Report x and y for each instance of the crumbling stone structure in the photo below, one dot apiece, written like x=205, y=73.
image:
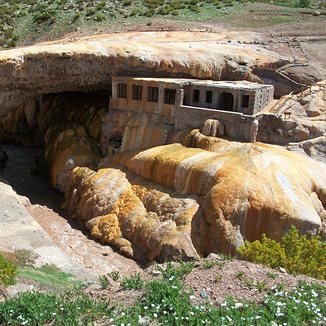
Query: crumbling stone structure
x=188, y=103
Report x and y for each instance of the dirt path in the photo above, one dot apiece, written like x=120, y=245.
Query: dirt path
x=46, y=209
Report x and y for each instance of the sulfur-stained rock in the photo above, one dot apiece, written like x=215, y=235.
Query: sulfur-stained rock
x=65, y=148
x=124, y=211
x=244, y=190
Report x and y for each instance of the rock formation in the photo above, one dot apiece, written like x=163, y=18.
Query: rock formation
x=295, y=118
x=209, y=194
x=132, y=215
x=89, y=63
x=197, y=193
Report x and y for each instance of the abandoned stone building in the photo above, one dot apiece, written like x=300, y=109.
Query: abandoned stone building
x=188, y=103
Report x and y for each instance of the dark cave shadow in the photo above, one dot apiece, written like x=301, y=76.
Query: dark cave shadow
x=19, y=173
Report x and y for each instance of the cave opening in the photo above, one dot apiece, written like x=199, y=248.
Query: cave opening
x=30, y=132
x=114, y=144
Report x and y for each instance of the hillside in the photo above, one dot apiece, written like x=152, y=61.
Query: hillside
x=30, y=21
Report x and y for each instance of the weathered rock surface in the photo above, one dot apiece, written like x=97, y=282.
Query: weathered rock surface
x=132, y=215
x=19, y=231
x=197, y=195
x=315, y=148
x=295, y=118
x=88, y=63
x=238, y=191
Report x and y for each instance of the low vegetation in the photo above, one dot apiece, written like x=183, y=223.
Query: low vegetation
x=8, y=271
x=38, y=308
x=168, y=301
x=48, y=275
x=28, y=21
x=298, y=254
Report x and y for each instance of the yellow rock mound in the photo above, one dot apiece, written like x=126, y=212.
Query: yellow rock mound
x=243, y=189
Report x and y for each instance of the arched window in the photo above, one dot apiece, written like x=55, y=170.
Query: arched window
x=226, y=101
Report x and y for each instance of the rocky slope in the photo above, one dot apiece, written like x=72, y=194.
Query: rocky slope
x=88, y=63
x=297, y=118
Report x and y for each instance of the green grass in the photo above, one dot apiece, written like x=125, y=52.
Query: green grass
x=167, y=301
x=133, y=282
x=32, y=20
x=115, y=275
x=104, y=282
x=35, y=308
x=48, y=275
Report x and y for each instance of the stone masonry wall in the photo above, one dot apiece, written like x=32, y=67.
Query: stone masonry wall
x=237, y=126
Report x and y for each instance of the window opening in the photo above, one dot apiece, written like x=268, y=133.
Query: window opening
x=196, y=95
x=209, y=97
x=169, y=95
x=245, y=101
x=226, y=101
x=122, y=90
x=152, y=94
x=137, y=91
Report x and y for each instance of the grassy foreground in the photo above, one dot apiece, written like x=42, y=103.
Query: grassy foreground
x=168, y=301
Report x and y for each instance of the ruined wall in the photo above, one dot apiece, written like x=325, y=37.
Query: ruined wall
x=144, y=105
x=262, y=97
x=283, y=85
x=258, y=97
x=237, y=126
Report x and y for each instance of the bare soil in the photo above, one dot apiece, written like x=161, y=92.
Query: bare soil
x=234, y=278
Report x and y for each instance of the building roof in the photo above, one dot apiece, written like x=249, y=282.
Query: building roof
x=238, y=84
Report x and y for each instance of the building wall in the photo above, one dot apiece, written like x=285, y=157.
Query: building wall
x=262, y=97
x=239, y=122
x=237, y=125
x=144, y=106
x=258, y=98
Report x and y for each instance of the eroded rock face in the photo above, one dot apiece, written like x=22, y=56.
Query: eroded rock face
x=89, y=63
x=197, y=195
x=315, y=148
x=295, y=118
x=129, y=213
x=238, y=191
x=67, y=147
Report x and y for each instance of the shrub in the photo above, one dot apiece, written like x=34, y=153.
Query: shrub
x=304, y=3
x=297, y=253
x=134, y=282
x=43, y=17
x=8, y=271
